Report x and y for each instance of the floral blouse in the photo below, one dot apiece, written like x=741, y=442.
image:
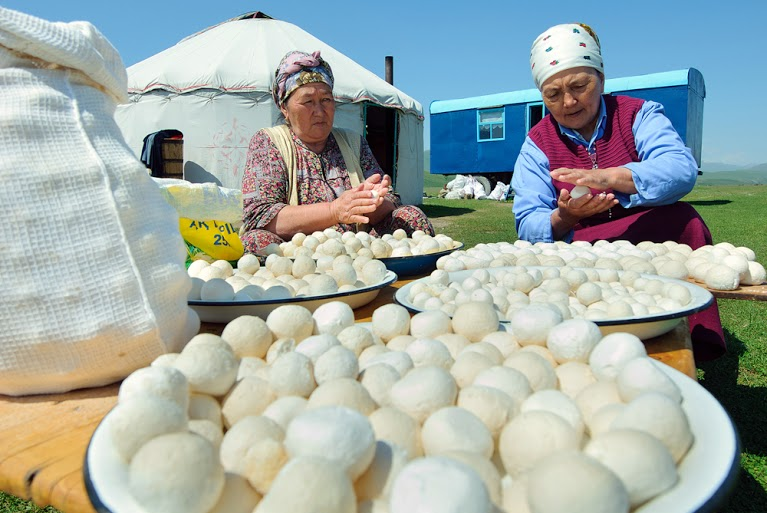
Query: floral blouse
x=322, y=177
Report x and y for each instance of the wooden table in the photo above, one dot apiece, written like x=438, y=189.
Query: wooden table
x=43, y=438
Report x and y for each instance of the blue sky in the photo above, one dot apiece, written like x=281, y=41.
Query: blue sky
x=448, y=49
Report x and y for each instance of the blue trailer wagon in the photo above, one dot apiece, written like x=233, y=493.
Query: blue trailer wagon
x=482, y=135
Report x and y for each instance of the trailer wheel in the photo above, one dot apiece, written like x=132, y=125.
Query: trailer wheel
x=485, y=183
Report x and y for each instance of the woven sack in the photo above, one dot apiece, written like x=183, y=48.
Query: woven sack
x=91, y=258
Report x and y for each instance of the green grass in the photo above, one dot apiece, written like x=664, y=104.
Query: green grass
x=738, y=380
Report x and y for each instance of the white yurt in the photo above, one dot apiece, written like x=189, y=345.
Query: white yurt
x=214, y=87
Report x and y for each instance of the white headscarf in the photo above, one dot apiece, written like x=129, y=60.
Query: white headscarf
x=563, y=47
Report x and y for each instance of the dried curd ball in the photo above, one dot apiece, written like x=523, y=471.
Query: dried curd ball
x=165, y=382
x=290, y=321
x=390, y=321
x=248, y=335
x=333, y=317
x=422, y=391
x=377, y=480
x=138, y=419
x=455, y=429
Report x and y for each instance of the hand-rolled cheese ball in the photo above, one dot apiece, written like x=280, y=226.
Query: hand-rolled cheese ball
x=532, y=323
x=588, y=293
x=367, y=354
x=292, y=374
x=211, y=272
x=340, y=434
x=398, y=428
x=378, y=380
x=474, y=320
x=493, y=407
x=505, y=341
x=242, y=436
x=284, y=409
x=263, y=461
x=355, y=338
x=510, y=381
x=429, y=324
x=541, y=351
x=332, y=317
x=428, y=351
x=198, y=477
x=643, y=374
x=454, y=342
x=466, y=367
x=248, y=263
x=756, y=274
x=574, y=377
x=400, y=342
x=194, y=292
x=278, y=348
x=640, y=460
x=157, y=381
x=719, y=277
x=389, y=321
x=208, y=430
x=539, y=372
x=531, y=436
x=195, y=267
x=203, y=406
x=612, y=352
x=373, y=272
x=248, y=335
x=290, y=321
x=400, y=360
x=578, y=191
x=558, y=403
x=249, y=396
x=309, y=483
x=210, y=366
x=345, y=392
x=377, y=480
x=423, y=391
x=573, y=340
x=455, y=429
x=484, y=348
x=438, y=484
x=316, y=345
x=237, y=496
x=336, y=362
x=596, y=396
x=660, y=416
x=216, y=289
x=136, y=420
x=573, y=482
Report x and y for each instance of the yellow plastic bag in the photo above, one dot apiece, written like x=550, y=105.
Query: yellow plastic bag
x=216, y=239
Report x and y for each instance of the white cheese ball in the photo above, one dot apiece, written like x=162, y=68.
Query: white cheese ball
x=225, y=266
x=574, y=377
x=429, y=324
x=195, y=267
x=660, y=416
x=166, y=382
x=531, y=324
x=510, y=381
x=248, y=335
x=205, y=407
x=333, y=317
x=377, y=480
x=208, y=430
x=242, y=436
x=612, y=352
x=194, y=292
x=373, y=272
x=316, y=345
x=573, y=340
x=263, y=461
x=756, y=274
x=249, y=396
x=578, y=191
x=573, y=482
x=211, y=272
x=356, y=339
x=643, y=374
x=539, y=372
x=399, y=428
x=198, y=477
x=530, y=437
x=474, y=320
x=400, y=360
x=336, y=362
x=284, y=409
x=438, y=485
x=290, y=321
x=427, y=351
x=558, y=403
x=389, y=321
x=640, y=460
x=454, y=342
x=493, y=407
x=210, y=366
x=485, y=348
x=504, y=341
x=467, y=366
x=423, y=391
x=588, y=293
x=596, y=396
x=345, y=392
x=136, y=420
x=486, y=470
x=340, y=434
x=237, y=496
x=720, y=277
x=455, y=429
x=378, y=380
x=278, y=348
x=309, y=483
x=216, y=289
x=292, y=374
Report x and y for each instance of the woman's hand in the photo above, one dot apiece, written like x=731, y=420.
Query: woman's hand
x=354, y=205
x=570, y=211
x=616, y=178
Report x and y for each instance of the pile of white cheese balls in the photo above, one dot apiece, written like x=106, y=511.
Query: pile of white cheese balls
x=282, y=277
x=310, y=412
x=331, y=243
x=721, y=267
x=562, y=292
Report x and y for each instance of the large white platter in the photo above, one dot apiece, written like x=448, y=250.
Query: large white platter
x=225, y=311
x=645, y=327
x=416, y=264
x=707, y=473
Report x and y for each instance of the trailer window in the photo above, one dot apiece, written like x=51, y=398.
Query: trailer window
x=535, y=113
x=490, y=124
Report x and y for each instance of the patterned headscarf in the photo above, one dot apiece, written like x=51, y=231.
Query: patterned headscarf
x=296, y=69
x=564, y=47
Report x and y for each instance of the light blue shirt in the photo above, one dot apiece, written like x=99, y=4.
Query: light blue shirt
x=665, y=173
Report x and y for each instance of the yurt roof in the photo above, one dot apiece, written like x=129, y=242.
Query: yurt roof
x=240, y=56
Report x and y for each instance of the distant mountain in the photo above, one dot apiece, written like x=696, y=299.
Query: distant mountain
x=715, y=167
x=752, y=176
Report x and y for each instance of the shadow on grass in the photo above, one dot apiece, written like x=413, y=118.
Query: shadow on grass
x=444, y=211
x=708, y=203
x=747, y=407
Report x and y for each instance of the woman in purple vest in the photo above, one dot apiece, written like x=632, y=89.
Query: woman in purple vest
x=623, y=149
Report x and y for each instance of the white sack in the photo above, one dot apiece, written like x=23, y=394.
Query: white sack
x=91, y=259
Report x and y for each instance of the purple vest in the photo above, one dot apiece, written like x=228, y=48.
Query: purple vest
x=614, y=149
